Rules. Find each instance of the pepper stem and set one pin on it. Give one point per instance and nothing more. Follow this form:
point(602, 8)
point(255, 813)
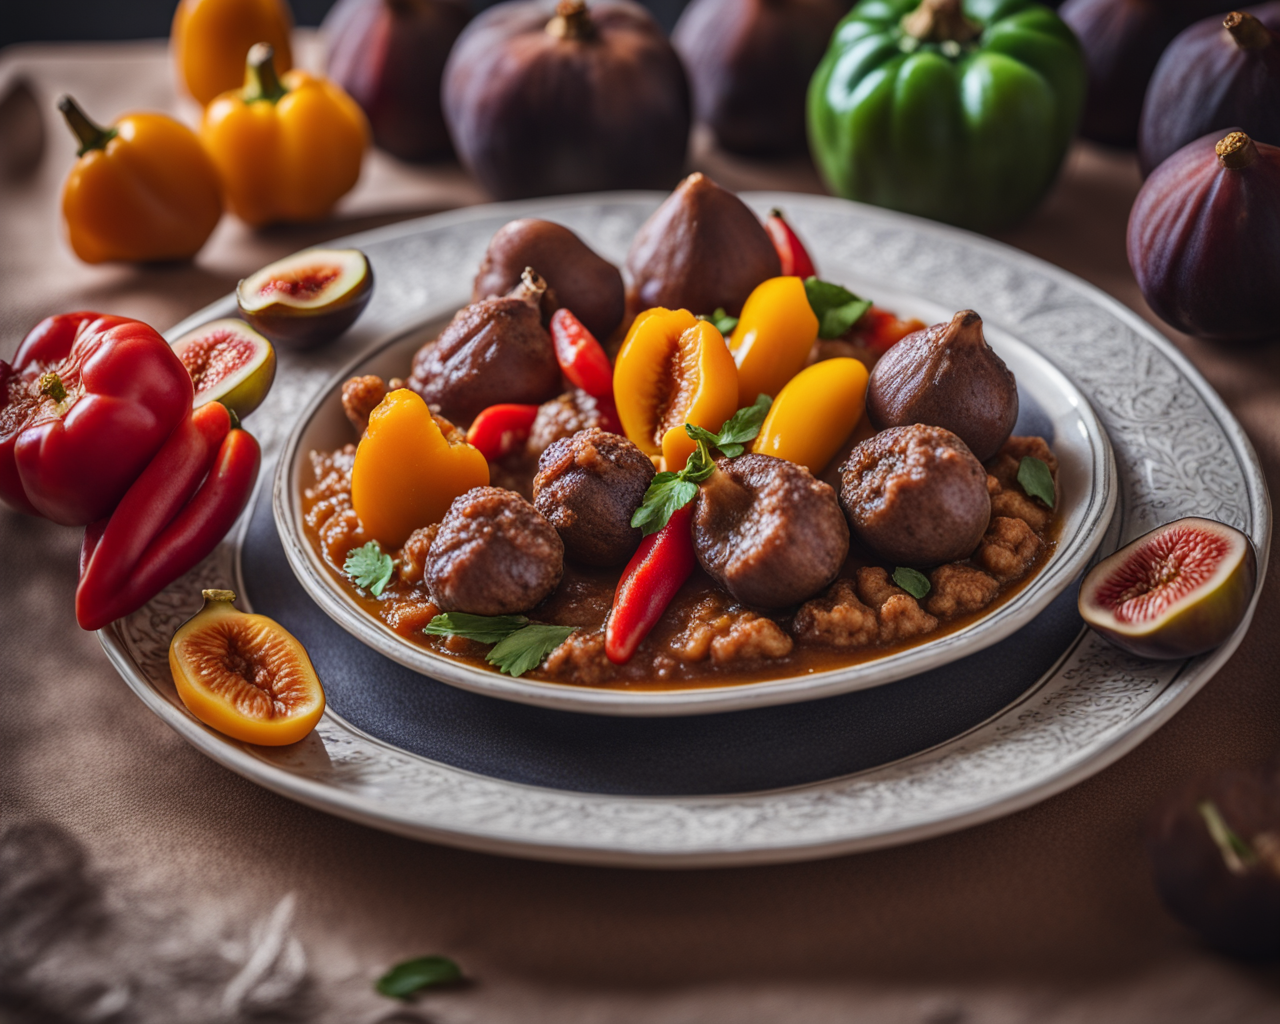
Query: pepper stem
point(1247, 31)
point(90, 135)
point(1236, 151)
point(228, 596)
point(51, 386)
point(571, 21)
point(940, 21)
point(260, 79)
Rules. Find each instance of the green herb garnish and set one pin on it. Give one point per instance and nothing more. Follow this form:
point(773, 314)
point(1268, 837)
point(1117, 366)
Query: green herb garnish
point(1236, 853)
point(912, 581)
point(1035, 479)
point(369, 567)
point(670, 491)
point(519, 645)
point(404, 979)
point(720, 320)
point(836, 308)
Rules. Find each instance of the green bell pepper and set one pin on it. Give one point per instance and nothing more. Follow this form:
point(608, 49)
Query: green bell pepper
point(959, 113)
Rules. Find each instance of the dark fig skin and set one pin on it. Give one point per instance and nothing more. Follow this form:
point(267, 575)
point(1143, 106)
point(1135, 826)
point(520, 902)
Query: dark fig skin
point(544, 103)
point(1122, 42)
point(1204, 239)
point(1216, 73)
point(577, 278)
point(390, 56)
point(702, 249)
point(947, 376)
point(749, 63)
point(1231, 897)
point(492, 351)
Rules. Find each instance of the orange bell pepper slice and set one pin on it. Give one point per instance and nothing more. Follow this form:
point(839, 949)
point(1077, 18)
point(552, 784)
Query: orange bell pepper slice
point(673, 369)
point(773, 338)
point(815, 413)
point(209, 39)
point(406, 472)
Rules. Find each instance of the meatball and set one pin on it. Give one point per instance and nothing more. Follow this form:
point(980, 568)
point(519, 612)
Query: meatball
point(360, 396)
point(916, 496)
point(563, 416)
point(589, 486)
point(768, 532)
point(493, 555)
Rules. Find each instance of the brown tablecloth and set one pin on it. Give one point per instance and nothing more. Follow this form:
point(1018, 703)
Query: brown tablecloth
point(140, 881)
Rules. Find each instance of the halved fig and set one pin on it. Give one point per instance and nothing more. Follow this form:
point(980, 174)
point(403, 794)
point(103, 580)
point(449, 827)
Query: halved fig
point(1178, 591)
point(229, 362)
point(308, 298)
point(245, 675)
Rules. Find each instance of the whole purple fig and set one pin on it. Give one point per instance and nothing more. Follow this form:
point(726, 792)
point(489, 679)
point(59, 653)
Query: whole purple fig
point(1216, 73)
point(1204, 236)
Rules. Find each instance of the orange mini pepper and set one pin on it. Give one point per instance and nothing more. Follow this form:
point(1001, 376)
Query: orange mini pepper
point(673, 369)
point(773, 338)
point(406, 472)
point(288, 147)
point(209, 40)
point(815, 413)
point(143, 189)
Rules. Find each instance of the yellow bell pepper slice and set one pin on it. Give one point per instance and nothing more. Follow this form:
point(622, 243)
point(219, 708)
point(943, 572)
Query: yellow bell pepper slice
point(406, 472)
point(815, 413)
point(773, 338)
point(673, 369)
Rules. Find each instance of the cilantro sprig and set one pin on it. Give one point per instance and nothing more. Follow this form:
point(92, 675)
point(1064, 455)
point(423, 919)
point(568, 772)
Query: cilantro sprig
point(913, 581)
point(836, 308)
point(518, 644)
point(720, 320)
point(670, 491)
point(1036, 479)
point(370, 567)
point(404, 979)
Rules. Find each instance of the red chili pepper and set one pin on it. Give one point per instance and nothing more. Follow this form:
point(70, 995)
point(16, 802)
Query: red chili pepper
point(188, 538)
point(582, 359)
point(608, 413)
point(652, 579)
point(86, 403)
point(791, 251)
point(882, 330)
point(501, 429)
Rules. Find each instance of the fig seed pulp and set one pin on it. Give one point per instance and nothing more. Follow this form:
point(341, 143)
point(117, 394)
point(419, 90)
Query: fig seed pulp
point(308, 298)
point(229, 362)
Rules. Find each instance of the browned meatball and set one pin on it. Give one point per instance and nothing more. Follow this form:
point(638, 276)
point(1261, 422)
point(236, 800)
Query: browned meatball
point(493, 555)
point(360, 396)
point(916, 496)
point(768, 532)
point(492, 351)
point(563, 416)
point(589, 486)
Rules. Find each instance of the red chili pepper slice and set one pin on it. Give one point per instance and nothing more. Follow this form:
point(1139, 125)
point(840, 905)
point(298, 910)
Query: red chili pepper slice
point(882, 329)
point(608, 413)
point(501, 429)
point(652, 579)
point(582, 359)
point(791, 251)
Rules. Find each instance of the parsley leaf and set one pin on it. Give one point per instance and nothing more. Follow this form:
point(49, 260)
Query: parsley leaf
point(666, 493)
point(525, 648)
point(1036, 480)
point(912, 581)
point(485, 629)
point(836, 308)
point(404, 979)
point(743, 426)
point(369, 567)
point(720, 320)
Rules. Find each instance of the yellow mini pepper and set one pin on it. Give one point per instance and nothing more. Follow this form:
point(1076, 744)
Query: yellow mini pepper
point(288, 147)
point(143, 189)
point(406, 472)
point(210, 38)
point(773, 338)
point(673, 369)
point(815, 413)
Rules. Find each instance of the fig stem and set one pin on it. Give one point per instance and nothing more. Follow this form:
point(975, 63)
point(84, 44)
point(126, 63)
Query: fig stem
point(1236, 853)
point(1247, 31)
point(90, 135)
point(940, 21)
point(531, 287)
point(571, 21)
point(228, 596)
point(51, 386)
point(1236, 151)
point(260, 79)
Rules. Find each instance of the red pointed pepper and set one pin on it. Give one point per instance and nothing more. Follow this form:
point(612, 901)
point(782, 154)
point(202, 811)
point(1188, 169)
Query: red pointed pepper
point(501, 429)
point(652, 579)
point(791, 251)
point(582, 359)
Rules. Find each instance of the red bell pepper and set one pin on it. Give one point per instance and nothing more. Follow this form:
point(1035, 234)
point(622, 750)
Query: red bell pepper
point(582, 359)
point(652, 579)
point(501, 429)
point(881, 330)
point(136, 554)
point(791, 251)
point(85, 404)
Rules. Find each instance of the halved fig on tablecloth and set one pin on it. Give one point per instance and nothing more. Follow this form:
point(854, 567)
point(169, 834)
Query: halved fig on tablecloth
point(308, 298)
point(229, 362)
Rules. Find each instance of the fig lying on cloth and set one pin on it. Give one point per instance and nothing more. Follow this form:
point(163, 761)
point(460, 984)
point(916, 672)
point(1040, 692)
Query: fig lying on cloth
point(542, 101)
point(229, 362)
point(1204, 239)
point(308, 298)
point(1219, 72)
point(1178, 591)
